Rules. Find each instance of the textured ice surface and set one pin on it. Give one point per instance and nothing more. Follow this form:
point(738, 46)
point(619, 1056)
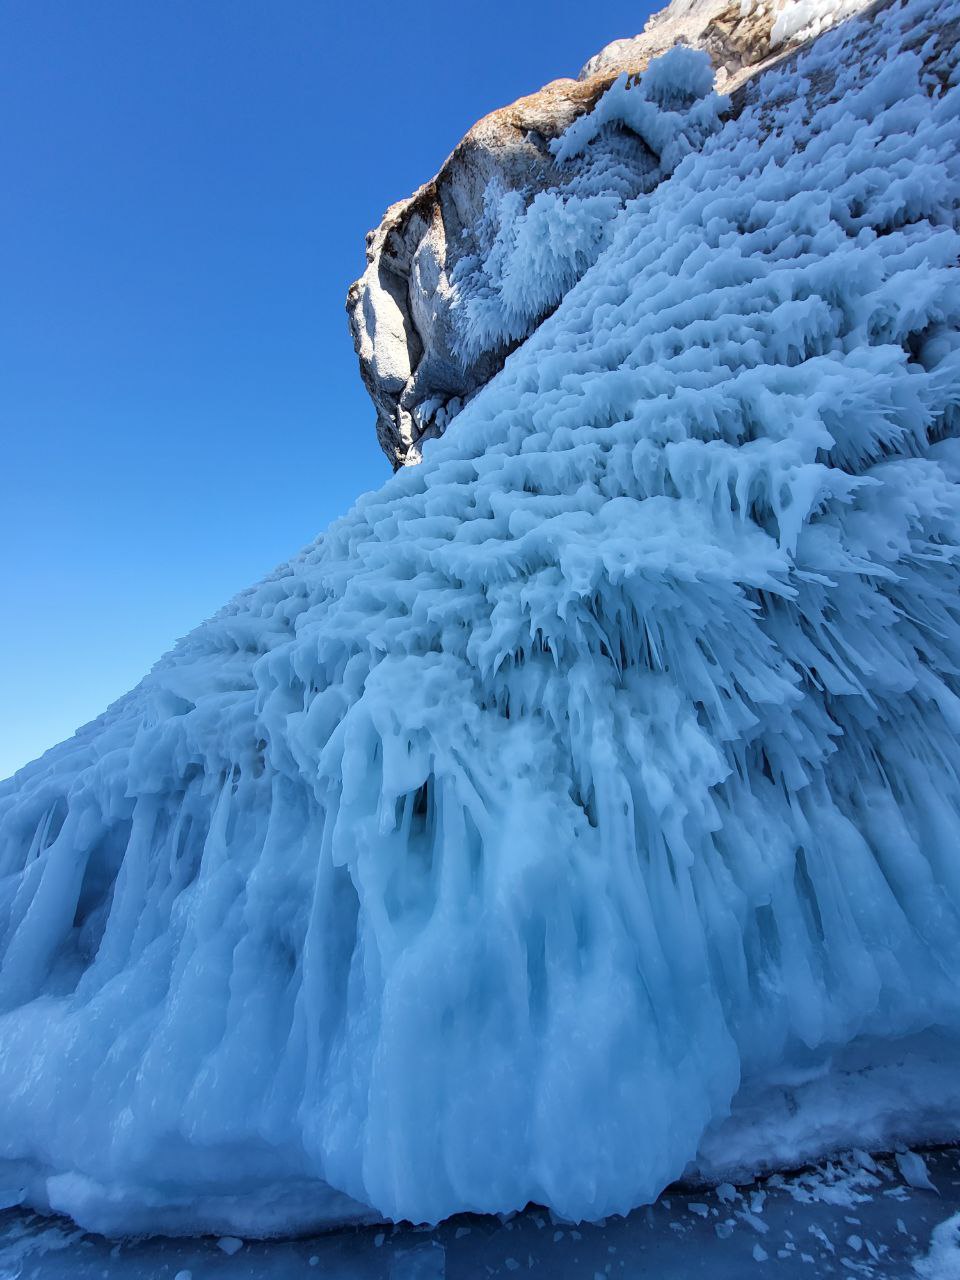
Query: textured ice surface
point(584, 804)
point(526, 254)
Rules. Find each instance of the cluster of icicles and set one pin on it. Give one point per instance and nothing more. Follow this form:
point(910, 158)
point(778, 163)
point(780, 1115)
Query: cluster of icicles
point(585, 803)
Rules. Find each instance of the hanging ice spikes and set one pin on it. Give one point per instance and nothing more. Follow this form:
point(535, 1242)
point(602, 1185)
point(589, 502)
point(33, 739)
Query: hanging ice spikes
point(524, 834)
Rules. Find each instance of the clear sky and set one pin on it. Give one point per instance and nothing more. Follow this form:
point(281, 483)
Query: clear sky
point(185, 189)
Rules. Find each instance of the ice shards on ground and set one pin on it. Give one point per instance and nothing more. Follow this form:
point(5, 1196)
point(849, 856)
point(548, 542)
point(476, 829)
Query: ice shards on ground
point(587, 792)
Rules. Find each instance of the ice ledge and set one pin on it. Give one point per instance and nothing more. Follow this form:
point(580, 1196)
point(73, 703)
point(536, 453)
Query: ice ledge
point(877, 1097)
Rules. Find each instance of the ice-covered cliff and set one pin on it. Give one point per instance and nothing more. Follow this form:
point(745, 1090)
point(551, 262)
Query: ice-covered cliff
point(583, 807)
point(469, 265)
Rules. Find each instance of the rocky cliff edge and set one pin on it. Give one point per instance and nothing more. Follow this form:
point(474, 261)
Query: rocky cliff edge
point(432, 316)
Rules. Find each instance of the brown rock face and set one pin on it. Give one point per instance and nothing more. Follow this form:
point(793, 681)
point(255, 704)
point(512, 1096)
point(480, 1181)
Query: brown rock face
point(406, 310)
point(399, 309)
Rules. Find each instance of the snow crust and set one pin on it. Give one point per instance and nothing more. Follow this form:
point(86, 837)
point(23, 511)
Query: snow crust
point(588, 788)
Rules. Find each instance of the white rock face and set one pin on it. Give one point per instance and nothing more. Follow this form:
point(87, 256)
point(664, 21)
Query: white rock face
point(583, 808)
point(416, 312)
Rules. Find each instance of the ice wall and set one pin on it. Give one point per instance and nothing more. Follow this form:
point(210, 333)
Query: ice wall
point(585, 803)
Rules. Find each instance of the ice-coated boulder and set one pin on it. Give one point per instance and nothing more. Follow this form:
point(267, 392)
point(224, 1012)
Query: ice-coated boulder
point(583, 808)
point(413, 313)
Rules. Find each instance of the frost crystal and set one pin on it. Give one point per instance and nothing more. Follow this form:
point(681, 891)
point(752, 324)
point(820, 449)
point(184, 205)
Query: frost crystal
point(588, 792)
point(529, 252)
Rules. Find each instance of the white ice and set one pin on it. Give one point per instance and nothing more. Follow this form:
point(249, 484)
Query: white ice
point(584, 805)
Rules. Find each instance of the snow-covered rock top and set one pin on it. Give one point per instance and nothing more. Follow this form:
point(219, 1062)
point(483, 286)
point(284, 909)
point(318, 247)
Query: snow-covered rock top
point(440, 304)
point(741, 37)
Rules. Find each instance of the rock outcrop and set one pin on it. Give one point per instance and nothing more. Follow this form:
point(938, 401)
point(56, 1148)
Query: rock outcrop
point(414, 311)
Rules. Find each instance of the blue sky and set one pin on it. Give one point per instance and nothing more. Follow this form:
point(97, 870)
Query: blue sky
point(186, 187)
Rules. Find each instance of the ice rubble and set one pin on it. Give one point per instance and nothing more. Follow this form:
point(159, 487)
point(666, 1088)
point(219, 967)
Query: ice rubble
point(584, 800)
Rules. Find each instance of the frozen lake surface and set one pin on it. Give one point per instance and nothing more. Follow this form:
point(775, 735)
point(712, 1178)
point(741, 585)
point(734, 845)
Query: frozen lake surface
point(852, 1217)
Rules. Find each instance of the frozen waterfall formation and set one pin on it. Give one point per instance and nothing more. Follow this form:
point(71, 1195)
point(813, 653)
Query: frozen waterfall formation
point(582, 809)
